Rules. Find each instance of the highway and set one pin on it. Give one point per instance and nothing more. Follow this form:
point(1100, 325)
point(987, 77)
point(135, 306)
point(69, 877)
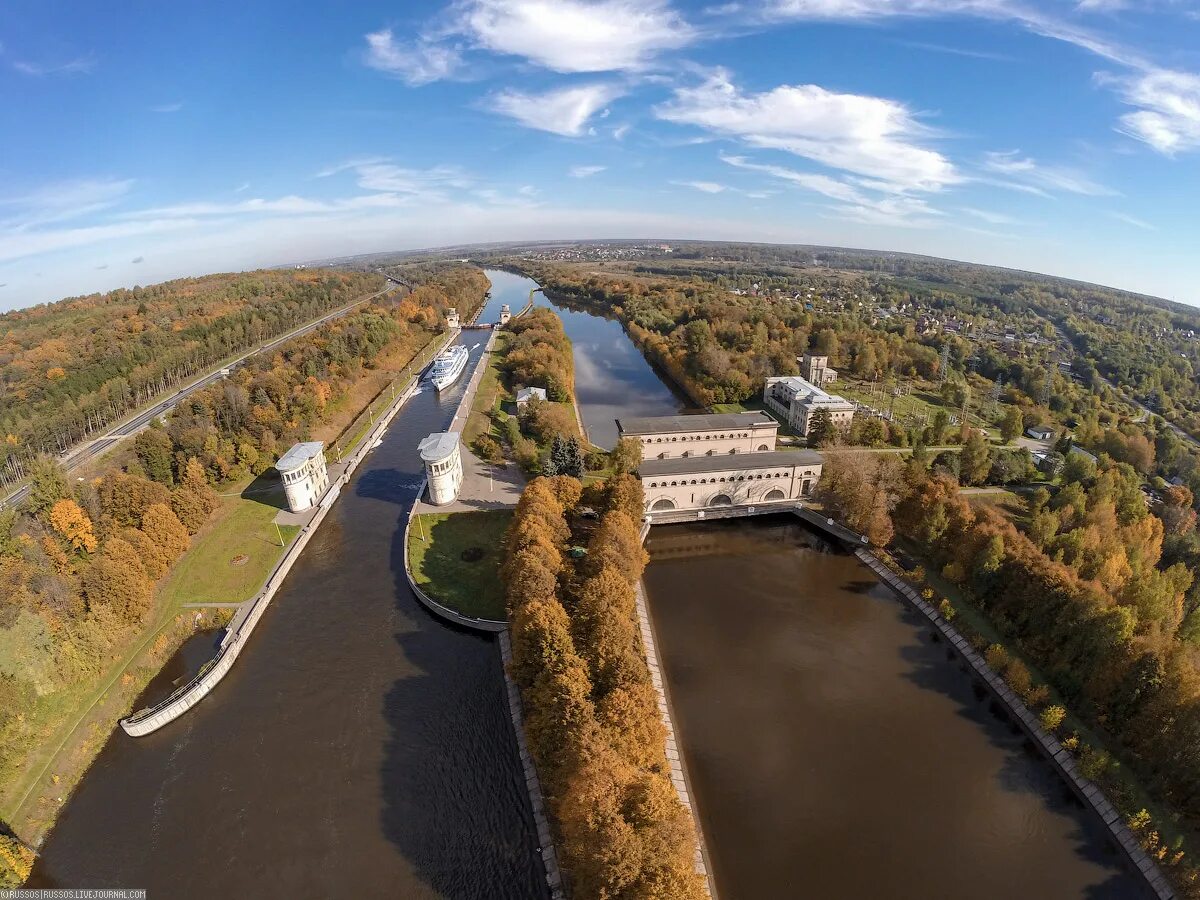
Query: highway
point(85, 452)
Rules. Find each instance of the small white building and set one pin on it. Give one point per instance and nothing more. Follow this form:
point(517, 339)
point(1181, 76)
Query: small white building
point(452, 319)
point(443, 466)
point(1039, 432)
point(796, 400)
point(505, 314)
point(524, 395)
point(668, 437)
point(304, 475)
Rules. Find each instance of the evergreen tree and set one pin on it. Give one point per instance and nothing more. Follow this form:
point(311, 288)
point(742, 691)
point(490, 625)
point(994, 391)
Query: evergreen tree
point(820, 428)
point(574, 459)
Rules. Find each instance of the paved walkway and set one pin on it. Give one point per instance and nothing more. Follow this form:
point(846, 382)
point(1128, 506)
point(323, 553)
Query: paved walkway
point(485, 486)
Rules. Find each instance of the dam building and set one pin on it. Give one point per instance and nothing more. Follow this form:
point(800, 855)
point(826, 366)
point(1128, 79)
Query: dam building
point(696, 462)
point(671, 437)
point(730, 480)
point(443, 466)
point(304, 475)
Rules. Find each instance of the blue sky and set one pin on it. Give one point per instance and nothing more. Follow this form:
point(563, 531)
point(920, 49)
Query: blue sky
point(144, 140)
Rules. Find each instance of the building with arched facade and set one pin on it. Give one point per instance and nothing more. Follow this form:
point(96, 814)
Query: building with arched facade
point(305, 478)
point(737, 479)
point(443, 466)
point(670, 437)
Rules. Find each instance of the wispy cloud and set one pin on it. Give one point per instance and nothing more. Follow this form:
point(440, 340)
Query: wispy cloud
point(1133, 220)
point(1168, 109)
point(565, 111)
point(241, 188)
point(80, 65)
point(62, 201)
point(585, 171)
point(705, 187)
point(957, 51)
point(854, 202)
point(992, 218)
point(167, 108)
point(871, 136)
point(418, 62)
point(1025, 173)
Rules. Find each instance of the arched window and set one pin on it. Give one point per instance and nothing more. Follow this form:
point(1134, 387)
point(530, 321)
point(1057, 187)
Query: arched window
point(775, 494)
point(687, 453)
point(674, 484)
point(721, 500)
point(663, 504)
point(763, 447)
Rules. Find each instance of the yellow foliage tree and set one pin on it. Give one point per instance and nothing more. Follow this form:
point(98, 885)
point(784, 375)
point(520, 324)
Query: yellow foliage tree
point(73, 524)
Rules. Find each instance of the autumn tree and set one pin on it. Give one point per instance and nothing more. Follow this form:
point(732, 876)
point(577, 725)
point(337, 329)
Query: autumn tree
point(163, 527)
point(626, 456)
point(73, 525)
point(116, 579)
point(975, 460)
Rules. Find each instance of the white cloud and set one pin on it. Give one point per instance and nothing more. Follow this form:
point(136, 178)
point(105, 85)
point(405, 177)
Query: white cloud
point(420, 62)
point(81, 65)
point(167, 108)
point(706, 187)
point(576, 35)
point(853, 202)
point(1025, 173)
point(992, 218)
point(62, 201)
point(871, 136)
point(585, 171)
point(564, 111)
point(1133, 220)
point(1168, 118)
point(244, 186)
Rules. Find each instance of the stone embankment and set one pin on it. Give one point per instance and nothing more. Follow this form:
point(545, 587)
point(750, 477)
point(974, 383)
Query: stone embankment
point(1060, 758)
point(145, 721)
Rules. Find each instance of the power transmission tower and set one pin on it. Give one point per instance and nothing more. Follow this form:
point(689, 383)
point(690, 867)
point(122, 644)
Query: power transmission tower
point(944, 369)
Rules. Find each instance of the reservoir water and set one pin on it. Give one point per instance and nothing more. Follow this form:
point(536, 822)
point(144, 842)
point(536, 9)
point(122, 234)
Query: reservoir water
point(361, 748)
point(832, 749)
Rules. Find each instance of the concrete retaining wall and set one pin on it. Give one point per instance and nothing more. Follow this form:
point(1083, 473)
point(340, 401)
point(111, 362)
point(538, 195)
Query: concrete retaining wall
point(145, 721)
point(532, 783)
point(1060, 758)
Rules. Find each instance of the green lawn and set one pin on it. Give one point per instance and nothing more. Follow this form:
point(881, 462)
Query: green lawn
point(243, 527)
point(436, 545)
point(489, 395)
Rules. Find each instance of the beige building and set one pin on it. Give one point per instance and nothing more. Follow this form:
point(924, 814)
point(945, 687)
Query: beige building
point(796, 400)
point(730, 480)
point(671, 437)
point(816, 370)
point(304, 475)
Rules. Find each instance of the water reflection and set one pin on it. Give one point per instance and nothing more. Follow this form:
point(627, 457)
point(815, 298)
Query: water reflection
point(833, 749)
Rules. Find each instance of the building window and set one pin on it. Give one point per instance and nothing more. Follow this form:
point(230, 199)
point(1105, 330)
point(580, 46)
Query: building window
point(763, 447)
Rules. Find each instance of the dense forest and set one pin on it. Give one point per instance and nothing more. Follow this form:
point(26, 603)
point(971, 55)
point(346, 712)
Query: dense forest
point(70, 369)
point(719, 345)
point(591, 713)
point(79, 562)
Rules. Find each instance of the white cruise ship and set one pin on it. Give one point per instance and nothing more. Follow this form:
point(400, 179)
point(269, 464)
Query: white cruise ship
point(448, 366)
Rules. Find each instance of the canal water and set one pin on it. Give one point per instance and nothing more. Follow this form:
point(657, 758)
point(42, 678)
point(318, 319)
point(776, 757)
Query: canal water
point(832, 749)
point(359, 748)
point(612, 378)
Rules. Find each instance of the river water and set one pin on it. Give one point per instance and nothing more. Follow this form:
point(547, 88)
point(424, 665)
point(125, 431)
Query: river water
point(360, 748)
point(832, 749)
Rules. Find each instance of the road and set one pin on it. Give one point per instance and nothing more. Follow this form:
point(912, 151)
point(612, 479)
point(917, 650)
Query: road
point(85, 452)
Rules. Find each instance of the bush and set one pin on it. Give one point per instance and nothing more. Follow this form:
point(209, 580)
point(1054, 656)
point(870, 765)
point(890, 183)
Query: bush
point(488, 449)
point(1052, 717)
